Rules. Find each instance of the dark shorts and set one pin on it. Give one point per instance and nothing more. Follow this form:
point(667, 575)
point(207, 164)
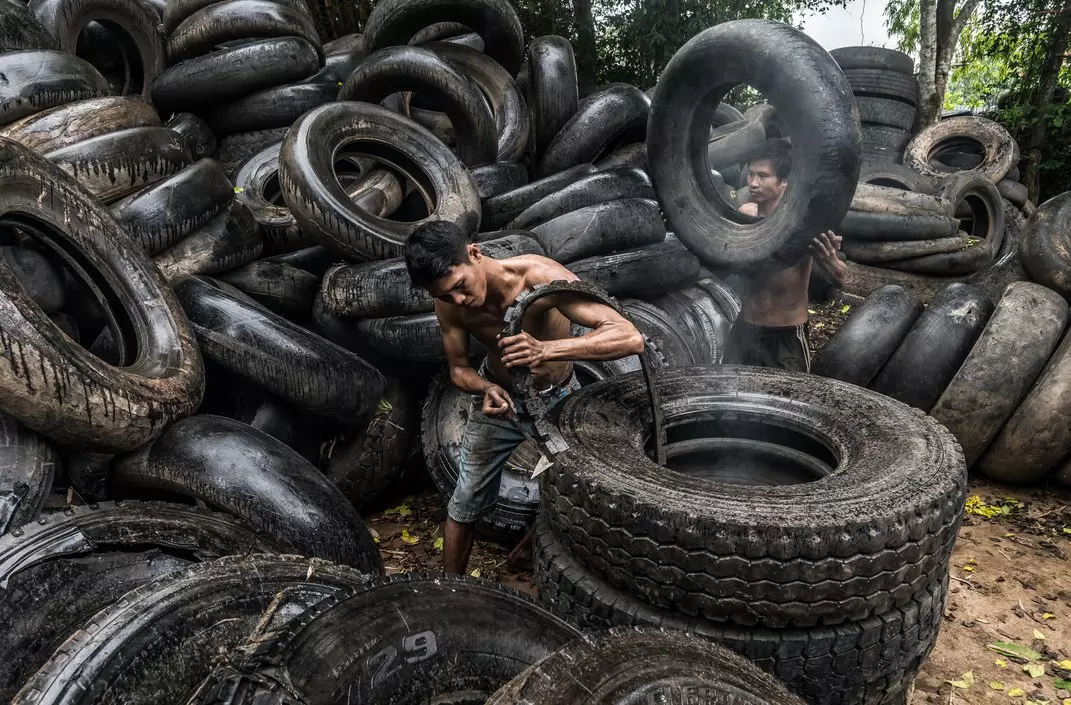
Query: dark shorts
point(783, 348)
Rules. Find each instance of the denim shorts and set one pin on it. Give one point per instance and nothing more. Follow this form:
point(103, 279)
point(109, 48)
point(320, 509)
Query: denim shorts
point(486, 446)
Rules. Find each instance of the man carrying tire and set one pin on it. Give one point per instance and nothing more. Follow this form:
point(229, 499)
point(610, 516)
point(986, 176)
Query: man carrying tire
point(771, 330)
point(472, 293)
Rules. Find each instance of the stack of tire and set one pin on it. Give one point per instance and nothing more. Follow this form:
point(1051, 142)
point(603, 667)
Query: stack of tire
point(993, 375)
point(887, 95)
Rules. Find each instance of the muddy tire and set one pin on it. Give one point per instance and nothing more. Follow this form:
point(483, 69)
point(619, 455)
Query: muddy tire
point(1008, 356)
point(231, 20)
point(869, 198)
point(41, 79)
point(288, 499)
point(873, 58)
point(27, 465)
point(187, 617)
point(1014, 192)
point(286, 290)
point(614, 115)
point(66, 393)
point(1044, 247)
point(319, 202)
point(885, 112)
point(20, 30)
point(969, 260)
point(195, 133)
point(258, 188)
point(895, 176)
point(237, 149)
point(896, 227)
point(882, 83)
point(225, 242)
point(498, 178)
point(881, 253)
point(935, 347)
point(115, 548)
point(116, 164)
point(131, 24)
point(162, 214)
point(631, 155)
point(982, 200)
point(823, 129)
point(606, 227)
point(65, 125)
point(271, 108)
point(1001, 150)
point(600, 187)
point(882, 144)
point(864, 343)
point(500, 210)
point(395, 22)
point(877, 656)
point(678, 541)
point(642, 272)
point(39, 276)
point(552, 88)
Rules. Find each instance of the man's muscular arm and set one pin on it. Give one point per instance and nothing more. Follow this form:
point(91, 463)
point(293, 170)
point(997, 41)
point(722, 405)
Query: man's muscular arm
point(496, 401)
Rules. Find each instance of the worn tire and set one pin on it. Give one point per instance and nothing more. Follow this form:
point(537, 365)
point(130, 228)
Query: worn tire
point(1008, 356)
point(225, 242)
point(875, 659)
point(880, 253)
point(882, 83)
point(864, 343)
point(195, 133)
point(28, 464)
point(614, 115)
point(983, 200)
point(39, 276)
point(55, 386)
point(602, 228)
point(498, 178)
point(1001, 150)
point(552, 89)
point(631, 155)
point(395, 22)
point(935, 347)
point(20, 30)
point(815, 102)
point(238, 149)
point(1045, 246)
point(642, 272)
point(37, 80)
point(1014, 192)
point(205, 458)
point(270, 108)
point(750, 553)
point(882, 144)
point(243, 20)
point(896, 227)
point(867, 57)
point(895, 176)
point(286, 290)
point(600, 187)
point(320, 204)
point(162, 214)
point(969, 260)
point(65, 125)
point(500, 210)
point(176, 11)
point(869, 198)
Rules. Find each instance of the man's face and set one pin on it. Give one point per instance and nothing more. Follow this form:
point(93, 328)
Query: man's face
point(763, 184)
point(465, 285)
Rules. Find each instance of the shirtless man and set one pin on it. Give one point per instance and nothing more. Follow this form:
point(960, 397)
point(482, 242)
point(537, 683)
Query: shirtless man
point(771, 330)
point(472, 293)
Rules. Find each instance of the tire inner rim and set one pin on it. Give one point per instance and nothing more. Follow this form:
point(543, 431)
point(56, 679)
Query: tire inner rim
point(745, 448)
point(970, 150)
point(117, 59)
point(388, 157)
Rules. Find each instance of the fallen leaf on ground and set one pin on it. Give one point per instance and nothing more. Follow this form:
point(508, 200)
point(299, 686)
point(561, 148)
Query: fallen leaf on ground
point(1067, 530)
point(401, 510)
point(1039, 635)
point(968, 568)
point(1048, 615)
point(438, 545)
point(1006, 648)
point(475, 572)
point(1036, 670)
point(1016, 693)
point(848, 307)
point(996, 685)
point(1062, 684)
point(1066, 665)
point(408, 538)
point(965, 681)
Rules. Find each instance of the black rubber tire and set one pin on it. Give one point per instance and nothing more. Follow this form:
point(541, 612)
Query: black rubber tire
point(734, 143)
point(58, 572)
point(882, 111)
point(115, 165)
point(395, 22)
point(367, 466)
point(631, 155)
point(1013, 348)
point(270, 108)
point(880, 253)
point(244, 20)
point(185, 617)
point(67, 393)
point(160, 215)
point(237, 149)
point(130, 24)
point(881, 83)
point(895, 176)
point(176, 11)
point(1000, 149)
point(290, 501)
point(498, 178)
point(869, 198)
point(40, 79)
point(1045, 245)
point(642, 272)
point(381, 289)
point(883, 144)
point(600, 229)
point(20, 30)
point(218, 77)
point(633, 663)
point(28, 463)
point(499, 210)
point(973, 258)
point(614, 115)
point(705, 313)
point(292, 363)
point(889, 513)
point(67, 124)
point(895, 227)
point(286, 290)
point(815, 101)
point(415, 338)
point(316, 259)
point(864, 343)
point(195, 133)
point(1014, 192)
point(321, 205)
point(423, 71)
point(981, 198)
point(874, 657)
point(867, 57)
point(600, 187)
point(935, 347)
point(552, 89)
point(512, 121)
point(672, 338)
point(40, 278)
point(225, 242)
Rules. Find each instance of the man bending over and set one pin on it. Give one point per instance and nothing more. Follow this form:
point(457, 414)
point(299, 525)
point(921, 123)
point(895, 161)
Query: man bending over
point(472, 292)
point(771, 330)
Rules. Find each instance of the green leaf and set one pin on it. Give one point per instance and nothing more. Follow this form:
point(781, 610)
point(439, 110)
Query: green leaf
point(1062, 684)
point(402, 510)
point(1006, 648)
point(438, 545)
point(384, 406)
point(963, 682)
point(845, 308)
point(408, 538)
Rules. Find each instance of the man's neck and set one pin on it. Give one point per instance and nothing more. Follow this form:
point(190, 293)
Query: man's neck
point(501, 284)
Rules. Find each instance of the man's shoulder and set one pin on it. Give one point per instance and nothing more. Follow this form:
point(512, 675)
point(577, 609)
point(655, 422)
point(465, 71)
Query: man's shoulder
point(537, 269)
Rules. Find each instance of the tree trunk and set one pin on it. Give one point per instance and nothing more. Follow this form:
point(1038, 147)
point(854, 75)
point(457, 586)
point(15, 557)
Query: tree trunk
point(1050, 73)
point(927, 68)
point(586, 53)
point(936, 62)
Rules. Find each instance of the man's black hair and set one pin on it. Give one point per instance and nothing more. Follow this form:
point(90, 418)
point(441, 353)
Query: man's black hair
point(779, 153)
point(432, 249)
